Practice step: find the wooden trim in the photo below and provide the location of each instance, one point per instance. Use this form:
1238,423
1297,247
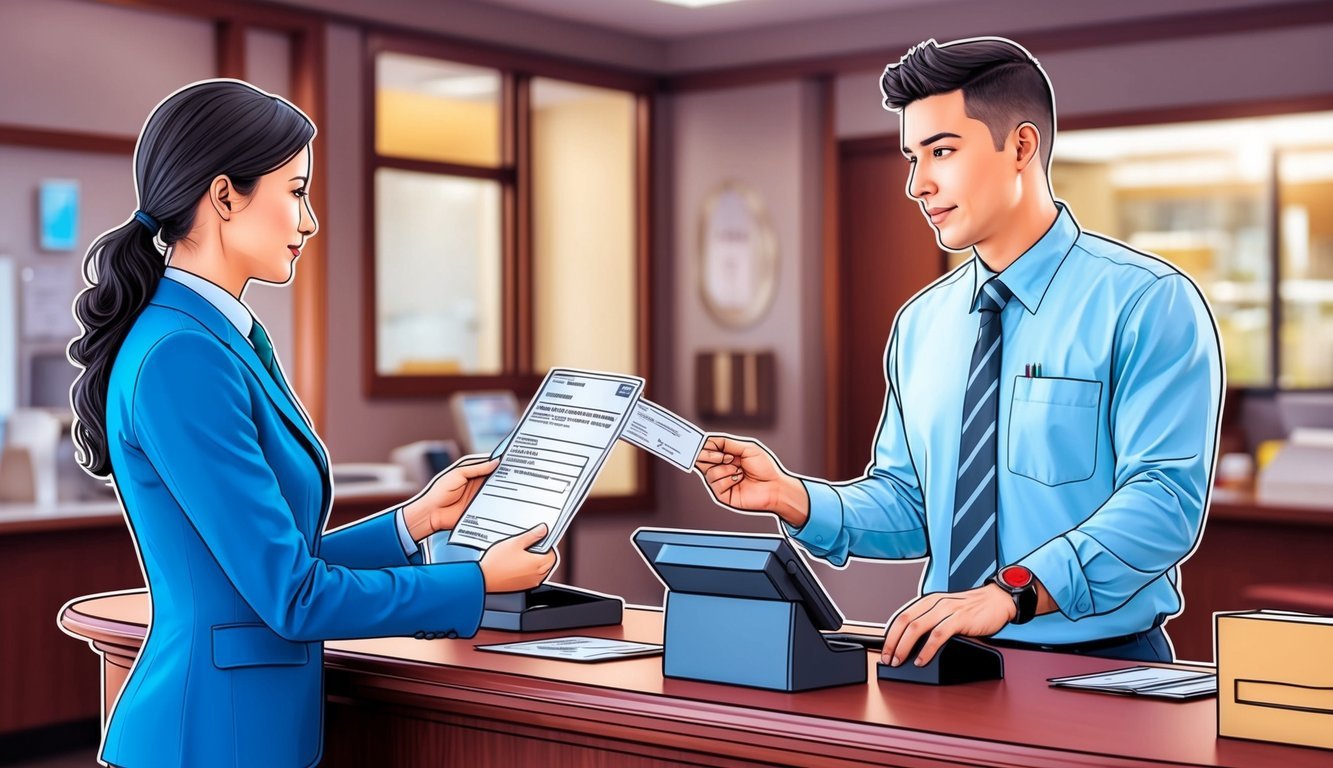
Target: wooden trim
644,229
389,38
73,141
310,302
524,260
229,37
830,247
504,175
372,385
1039,42
510,240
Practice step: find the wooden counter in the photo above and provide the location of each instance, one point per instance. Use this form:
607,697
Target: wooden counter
50,555
401,701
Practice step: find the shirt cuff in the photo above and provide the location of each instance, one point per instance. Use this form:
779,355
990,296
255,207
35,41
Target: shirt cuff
410,547
825,521
1057,567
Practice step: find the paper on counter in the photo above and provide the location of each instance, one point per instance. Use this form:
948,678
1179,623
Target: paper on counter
1159,682
579,648
664,434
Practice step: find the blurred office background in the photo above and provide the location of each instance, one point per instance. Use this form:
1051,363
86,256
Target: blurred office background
508,185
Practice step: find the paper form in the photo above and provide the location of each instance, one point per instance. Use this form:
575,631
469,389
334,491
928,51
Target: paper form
577,648
551,458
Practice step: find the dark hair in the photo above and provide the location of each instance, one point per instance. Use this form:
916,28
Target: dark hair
208,129
1003,85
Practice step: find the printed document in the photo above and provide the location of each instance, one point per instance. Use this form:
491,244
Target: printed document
551,458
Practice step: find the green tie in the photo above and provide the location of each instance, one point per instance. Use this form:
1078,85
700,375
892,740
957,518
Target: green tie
264,348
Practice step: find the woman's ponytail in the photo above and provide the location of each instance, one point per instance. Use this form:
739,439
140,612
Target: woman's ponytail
122,269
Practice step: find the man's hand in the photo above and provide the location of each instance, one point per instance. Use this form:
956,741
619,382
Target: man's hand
979,612
743,475
439,507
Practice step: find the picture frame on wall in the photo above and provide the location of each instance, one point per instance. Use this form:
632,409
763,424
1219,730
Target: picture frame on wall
58,214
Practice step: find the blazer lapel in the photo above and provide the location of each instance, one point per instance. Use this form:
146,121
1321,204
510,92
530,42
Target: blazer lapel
177,296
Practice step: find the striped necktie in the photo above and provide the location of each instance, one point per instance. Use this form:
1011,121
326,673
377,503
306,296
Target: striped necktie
974,551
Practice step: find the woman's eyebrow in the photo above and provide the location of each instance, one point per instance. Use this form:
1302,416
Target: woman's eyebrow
301,179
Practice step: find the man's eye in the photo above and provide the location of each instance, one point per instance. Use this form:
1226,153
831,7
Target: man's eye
942,151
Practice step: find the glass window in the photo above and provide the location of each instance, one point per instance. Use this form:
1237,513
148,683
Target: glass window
1202,196
429,109
437,275
1305,199
584,259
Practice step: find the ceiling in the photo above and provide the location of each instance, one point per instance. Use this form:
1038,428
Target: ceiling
654,19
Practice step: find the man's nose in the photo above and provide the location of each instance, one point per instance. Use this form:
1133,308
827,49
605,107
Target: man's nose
919,183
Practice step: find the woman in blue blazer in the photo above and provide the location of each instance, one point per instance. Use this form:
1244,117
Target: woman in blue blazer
224,483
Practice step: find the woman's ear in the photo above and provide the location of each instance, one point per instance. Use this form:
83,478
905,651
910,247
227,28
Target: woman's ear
220,193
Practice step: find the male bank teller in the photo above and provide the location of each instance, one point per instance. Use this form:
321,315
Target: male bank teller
1049,429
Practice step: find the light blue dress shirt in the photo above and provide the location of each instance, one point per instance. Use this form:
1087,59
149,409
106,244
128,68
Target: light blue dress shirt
239,315
1104,461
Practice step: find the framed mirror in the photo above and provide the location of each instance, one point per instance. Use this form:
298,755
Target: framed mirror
738,255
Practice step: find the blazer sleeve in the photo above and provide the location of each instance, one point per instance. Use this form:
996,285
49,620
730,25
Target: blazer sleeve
372,542
191,416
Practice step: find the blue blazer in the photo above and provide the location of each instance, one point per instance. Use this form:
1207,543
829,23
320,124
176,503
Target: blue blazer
226,489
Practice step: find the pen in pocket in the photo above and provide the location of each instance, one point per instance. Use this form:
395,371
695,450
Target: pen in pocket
1032,371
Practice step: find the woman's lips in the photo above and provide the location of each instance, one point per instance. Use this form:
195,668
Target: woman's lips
295,251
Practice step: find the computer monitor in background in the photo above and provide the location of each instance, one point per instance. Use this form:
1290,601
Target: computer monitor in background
484,419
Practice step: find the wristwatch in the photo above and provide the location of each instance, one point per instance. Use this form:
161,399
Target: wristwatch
1022,587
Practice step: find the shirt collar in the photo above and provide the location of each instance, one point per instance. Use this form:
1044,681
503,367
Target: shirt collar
1031,274
230,306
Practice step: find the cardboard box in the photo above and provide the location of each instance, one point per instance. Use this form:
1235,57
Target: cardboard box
1275,677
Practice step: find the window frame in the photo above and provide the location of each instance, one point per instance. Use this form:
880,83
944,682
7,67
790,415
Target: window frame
514,174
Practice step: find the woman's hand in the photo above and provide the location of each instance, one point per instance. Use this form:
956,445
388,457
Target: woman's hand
508,566
439,506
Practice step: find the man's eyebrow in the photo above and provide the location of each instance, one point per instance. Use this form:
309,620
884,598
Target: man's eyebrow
938,136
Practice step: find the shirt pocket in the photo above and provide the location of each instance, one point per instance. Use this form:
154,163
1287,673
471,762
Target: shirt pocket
1053,429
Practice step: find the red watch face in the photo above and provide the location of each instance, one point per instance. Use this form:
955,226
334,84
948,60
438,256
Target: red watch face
1016,576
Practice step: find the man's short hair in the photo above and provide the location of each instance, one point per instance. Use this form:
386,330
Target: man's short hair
1003,85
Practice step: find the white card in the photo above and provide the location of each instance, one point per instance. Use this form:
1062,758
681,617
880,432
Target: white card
664,434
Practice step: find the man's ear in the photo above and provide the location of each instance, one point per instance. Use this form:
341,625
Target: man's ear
220,194
1027,145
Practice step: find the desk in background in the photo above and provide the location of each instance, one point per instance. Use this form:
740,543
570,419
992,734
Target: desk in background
1246,542
401,701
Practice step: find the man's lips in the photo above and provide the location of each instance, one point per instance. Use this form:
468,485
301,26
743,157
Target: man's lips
938,215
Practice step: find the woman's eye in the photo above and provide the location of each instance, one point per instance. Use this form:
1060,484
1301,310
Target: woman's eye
299,192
